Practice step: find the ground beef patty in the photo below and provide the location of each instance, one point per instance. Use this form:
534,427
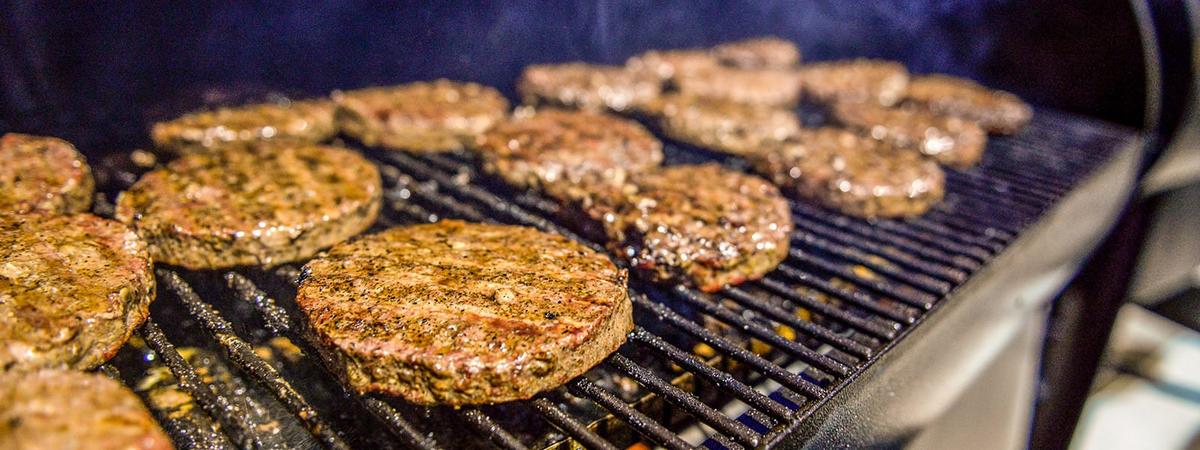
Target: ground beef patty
43,174
668,64
459,313
769,87
950,140
60,409
586,86
996,110
72,289
857,80
758,53
854,174
300,121
433,116
702,225
728,127
237,206
551,146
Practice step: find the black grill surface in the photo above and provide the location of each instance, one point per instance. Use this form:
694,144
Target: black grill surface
222,341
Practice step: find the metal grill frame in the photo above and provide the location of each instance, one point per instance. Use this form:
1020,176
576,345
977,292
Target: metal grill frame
959,252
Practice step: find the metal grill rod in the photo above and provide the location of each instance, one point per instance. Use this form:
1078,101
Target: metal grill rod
644,425
242,355
570,426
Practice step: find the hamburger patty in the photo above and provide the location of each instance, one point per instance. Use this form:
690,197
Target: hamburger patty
550,146
854,174
43,174
758,53
72,289
668,64
301,121
857,80
769,87
60,409
950,140
433,116
586,86
459,313
235,206
702,225
734,128
997,111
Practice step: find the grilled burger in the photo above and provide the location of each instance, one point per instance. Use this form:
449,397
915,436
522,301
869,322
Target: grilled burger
728,127
768,87
554,146
586,86
669,64
43,174
459,313
433,116
60,409
236,206
856,81
72,290
950,140
758,53
854,174
300,121
701,225
996,110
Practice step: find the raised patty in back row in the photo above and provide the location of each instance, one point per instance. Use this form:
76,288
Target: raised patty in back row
305,121
459,313
255,205
434,116
43,174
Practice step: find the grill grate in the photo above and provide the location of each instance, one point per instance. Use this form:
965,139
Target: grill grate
848,290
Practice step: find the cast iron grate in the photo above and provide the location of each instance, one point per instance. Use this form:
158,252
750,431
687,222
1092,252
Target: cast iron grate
848,290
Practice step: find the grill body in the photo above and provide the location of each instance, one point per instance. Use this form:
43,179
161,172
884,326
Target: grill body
933,339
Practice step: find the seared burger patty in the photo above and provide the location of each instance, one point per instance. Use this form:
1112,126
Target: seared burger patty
72,289
996,110
758,53
459,313
61,409
234,206
729,127
854,174
434,116
301,121
857,80
43,174
770,87
586,86
669,64
701,225
950,140
554,146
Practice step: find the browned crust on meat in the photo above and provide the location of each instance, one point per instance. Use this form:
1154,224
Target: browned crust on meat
949,140
434,116
856,80
552,146
586,86
728,127
669,64
769,87
997,111
233,207
59,409
459,313
854,174
43,174
307,121
765,52
72,290
702,225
